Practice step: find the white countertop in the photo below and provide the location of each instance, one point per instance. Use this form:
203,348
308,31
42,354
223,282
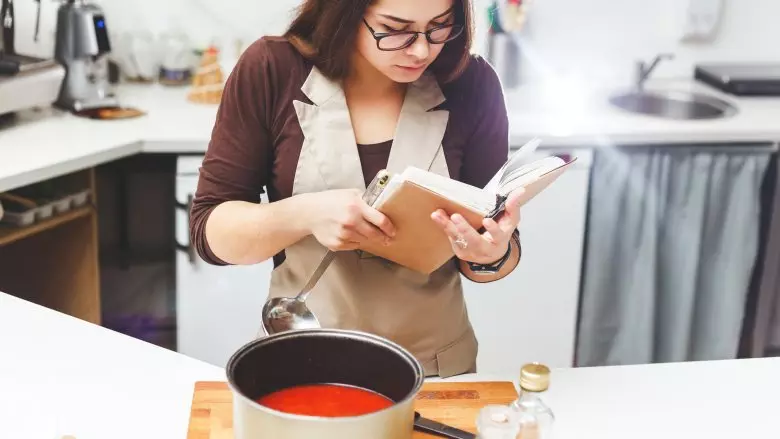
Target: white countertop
62,376
48,143
581,115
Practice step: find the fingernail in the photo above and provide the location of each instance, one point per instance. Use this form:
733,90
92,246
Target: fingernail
457,219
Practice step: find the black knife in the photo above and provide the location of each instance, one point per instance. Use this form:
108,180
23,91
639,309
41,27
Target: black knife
439,429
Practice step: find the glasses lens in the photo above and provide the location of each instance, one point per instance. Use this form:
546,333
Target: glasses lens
445,34
392,42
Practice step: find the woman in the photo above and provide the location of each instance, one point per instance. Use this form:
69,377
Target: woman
355,87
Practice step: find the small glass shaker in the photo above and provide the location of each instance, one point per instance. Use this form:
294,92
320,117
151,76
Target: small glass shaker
497,422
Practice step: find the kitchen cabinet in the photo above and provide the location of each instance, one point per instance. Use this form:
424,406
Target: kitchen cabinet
54,261
531,315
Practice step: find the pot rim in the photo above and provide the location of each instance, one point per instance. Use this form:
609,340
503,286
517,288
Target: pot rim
349,333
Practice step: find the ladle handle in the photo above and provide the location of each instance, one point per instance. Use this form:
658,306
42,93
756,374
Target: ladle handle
315,277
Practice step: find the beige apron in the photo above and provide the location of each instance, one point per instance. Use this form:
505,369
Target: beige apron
426,314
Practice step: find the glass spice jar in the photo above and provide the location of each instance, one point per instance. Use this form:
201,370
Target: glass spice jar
535,418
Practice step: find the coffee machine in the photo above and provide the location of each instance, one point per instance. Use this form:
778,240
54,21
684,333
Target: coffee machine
82,46
26,81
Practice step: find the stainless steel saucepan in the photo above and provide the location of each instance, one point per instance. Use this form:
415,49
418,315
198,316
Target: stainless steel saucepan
319,356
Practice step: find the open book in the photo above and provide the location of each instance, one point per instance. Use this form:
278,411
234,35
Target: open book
409,198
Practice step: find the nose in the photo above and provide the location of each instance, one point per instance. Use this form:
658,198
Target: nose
419,49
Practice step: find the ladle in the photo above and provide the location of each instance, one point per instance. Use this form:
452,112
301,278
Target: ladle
285,313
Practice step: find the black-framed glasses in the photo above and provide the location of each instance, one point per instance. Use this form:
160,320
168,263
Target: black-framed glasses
402,39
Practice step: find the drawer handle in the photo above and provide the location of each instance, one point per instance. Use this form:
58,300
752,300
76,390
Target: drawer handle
187,248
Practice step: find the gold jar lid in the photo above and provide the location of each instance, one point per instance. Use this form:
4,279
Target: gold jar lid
535,377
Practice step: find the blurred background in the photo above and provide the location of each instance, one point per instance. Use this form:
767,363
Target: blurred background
662,244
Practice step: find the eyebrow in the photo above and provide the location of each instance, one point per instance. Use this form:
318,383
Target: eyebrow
405,21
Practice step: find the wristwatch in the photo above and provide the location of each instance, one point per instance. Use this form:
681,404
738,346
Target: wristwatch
494,267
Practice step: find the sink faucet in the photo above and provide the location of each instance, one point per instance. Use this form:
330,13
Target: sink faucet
643,71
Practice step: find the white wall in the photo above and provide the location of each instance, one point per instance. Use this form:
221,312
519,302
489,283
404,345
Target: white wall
602,38
594,38
204,21
588,38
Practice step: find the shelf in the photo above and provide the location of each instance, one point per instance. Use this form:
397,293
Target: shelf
54,262
9,234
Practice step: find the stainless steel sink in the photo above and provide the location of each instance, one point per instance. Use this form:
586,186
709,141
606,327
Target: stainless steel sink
674,105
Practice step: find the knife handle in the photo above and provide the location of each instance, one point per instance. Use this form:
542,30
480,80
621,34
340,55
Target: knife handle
439,429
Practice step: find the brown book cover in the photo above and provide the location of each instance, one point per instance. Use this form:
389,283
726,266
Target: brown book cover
420,244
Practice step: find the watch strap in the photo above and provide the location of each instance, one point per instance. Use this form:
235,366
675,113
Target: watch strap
494,267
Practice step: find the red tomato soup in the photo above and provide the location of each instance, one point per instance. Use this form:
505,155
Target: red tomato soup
327,400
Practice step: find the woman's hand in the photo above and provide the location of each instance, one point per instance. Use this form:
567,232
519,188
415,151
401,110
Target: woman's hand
491,245
341,220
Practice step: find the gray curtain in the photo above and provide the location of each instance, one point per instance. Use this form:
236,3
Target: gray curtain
763,323
671,244
773,346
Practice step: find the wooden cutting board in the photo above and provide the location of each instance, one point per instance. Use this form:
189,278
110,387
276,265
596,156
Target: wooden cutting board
455,404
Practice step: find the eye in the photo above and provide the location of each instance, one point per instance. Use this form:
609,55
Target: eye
447,21
391,29
443,23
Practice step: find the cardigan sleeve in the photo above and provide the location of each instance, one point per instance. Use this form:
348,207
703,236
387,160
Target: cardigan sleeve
237,163
488,145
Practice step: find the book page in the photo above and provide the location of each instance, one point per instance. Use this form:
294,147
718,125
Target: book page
518,159
524,175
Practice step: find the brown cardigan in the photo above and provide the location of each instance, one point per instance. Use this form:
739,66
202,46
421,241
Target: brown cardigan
256,139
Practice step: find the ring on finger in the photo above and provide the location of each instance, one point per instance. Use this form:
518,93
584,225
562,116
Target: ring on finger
461,242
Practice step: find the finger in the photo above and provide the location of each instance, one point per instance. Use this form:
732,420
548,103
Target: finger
369,231
474,241
339,244
378,219
451,231
493,232
511,217
445,223
352,233
512,205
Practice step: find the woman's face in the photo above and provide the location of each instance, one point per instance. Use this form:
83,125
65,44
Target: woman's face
389,16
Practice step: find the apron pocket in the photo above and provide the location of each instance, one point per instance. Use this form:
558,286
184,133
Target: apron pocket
459,357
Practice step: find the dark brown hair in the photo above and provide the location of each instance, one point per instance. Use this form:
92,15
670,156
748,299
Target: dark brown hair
324,32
